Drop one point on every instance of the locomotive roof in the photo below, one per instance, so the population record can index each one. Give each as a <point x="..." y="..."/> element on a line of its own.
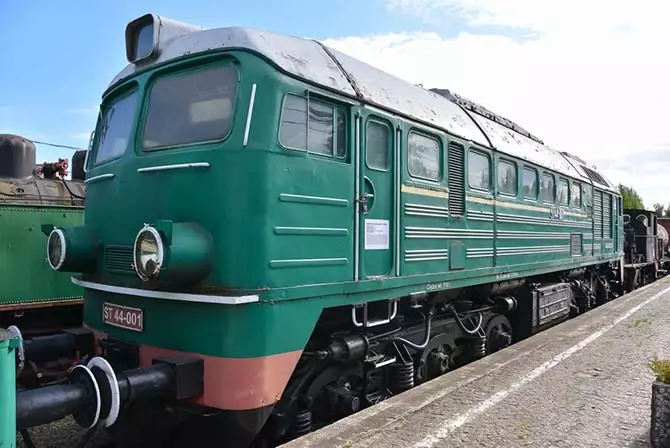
<point x="312" y="61"/>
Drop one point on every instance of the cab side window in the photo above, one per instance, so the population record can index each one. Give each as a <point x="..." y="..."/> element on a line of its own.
<point x="320" y="128"/>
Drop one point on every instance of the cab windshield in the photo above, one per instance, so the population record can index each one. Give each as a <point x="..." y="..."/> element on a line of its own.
<point x="190" y="107"/>
<point x="115" y="127"/>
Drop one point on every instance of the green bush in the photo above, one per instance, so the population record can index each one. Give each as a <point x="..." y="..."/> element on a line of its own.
<point x="661" y="368"/>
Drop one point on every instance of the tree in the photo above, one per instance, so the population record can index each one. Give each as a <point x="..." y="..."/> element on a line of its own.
<point x="662" y="211"/>
<point x="630" y="198"/>
<point x="659" y="209"/>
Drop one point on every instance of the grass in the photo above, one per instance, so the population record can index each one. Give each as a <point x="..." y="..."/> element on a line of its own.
<point x="638" y="322"/>
<point x="661" y="368"/>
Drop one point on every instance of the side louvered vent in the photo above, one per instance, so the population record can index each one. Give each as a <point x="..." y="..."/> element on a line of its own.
<point x="456" y="179"/>
<point x="598" y="214"/>
<point x="607" y="216"/>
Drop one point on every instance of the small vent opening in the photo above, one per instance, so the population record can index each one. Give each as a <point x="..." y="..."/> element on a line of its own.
<point x="456" y="171"/>
<point x="119" y="258"/>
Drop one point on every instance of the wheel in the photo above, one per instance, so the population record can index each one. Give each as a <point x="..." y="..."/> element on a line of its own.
<point x="436" y="358"/>
<point x="498" y="333"/>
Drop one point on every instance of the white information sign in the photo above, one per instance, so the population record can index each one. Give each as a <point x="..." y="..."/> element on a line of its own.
<point x="376" y="234"/>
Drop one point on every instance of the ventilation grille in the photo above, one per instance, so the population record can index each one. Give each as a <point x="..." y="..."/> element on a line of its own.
<point x="595" y="177"/>
<point x="598" y="214"/>
<point x="456" y="179"/>
<point x="119" y="258"/>
<point x="607" y="216"/>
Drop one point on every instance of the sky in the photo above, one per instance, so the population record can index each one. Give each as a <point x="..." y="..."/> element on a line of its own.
<point x="591" y="78"/>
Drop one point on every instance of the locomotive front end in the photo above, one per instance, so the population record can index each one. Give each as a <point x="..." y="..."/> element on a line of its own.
<point x="169" y="230"/>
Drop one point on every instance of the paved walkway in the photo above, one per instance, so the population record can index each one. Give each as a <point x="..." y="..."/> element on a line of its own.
<point x="582" y="384"/>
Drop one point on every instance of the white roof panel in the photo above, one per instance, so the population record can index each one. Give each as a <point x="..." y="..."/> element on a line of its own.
<point x="308" y="60"/>
<point x="517" y="145"/>
<point x="386" y="90"/>
<point x="311" y="61"/>
<point x="303" y="58"/>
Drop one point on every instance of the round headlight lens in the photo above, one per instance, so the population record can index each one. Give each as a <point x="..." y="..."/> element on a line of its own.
<point x="148" y="253"/>
<point x="56" y="249"/>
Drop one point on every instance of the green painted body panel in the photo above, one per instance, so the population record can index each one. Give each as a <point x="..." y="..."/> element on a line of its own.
<point x="282" y="223"/>
<point x="269" y="327"/>
<point x="7" y="389"/>
<point x="242" y="331"/>
<point x="25" y="276"/>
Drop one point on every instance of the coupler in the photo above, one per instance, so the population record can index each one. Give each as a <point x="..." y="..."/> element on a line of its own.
<point x="94" y="393"/>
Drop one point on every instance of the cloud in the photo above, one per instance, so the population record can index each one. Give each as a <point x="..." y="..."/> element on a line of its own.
<point x="591" y="81"/>
<point x="543" y="16"/>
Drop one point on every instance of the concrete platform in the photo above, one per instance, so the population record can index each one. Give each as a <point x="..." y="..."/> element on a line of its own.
<point x="582" y="384"/>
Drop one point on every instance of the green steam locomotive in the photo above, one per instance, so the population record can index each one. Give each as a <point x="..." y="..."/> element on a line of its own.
<point x="33" y="297"/>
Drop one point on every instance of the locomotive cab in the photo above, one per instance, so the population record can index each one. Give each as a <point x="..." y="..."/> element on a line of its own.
<point x="171" y="235"/>
<point x="164" y="144"/>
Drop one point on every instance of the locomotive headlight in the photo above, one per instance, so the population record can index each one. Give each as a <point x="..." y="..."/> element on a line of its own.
<point x="56" y="249"/>
<point x="149" y="253"/>
<point x="71" y="249"/>
<point x="180" y="253"/>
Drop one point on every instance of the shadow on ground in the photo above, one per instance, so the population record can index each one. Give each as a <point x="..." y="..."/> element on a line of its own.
<point x="641" y="441"/>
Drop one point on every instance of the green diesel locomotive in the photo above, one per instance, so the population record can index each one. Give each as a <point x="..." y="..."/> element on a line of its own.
<point x="320" y="234"/>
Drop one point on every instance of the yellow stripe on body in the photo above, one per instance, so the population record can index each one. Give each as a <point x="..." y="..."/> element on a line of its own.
<point x="425" y="192"/>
